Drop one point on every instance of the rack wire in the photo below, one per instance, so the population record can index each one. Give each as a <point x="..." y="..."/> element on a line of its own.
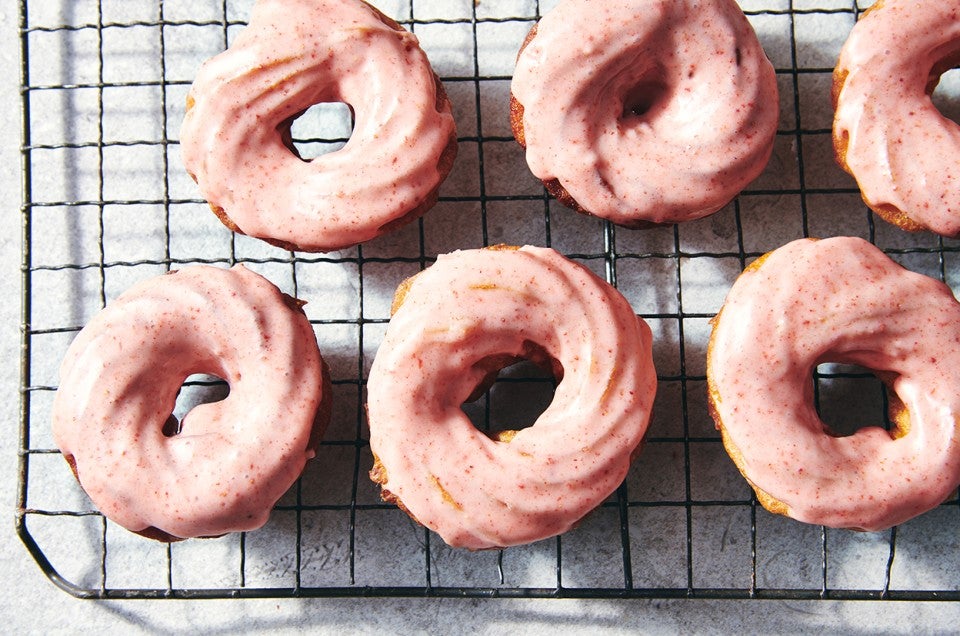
<point x="106" y="203"/>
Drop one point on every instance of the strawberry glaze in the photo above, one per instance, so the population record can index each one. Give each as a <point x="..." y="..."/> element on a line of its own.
<point x="838" y="300"/>
<point x="294" y="54"/>
<point x="233" y="459"/>
<point x="697" y="70"/>
<point x="475" y="491"/>
<point x="887" y="132"/>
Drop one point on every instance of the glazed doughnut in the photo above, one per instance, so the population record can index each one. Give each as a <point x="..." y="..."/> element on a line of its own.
<point x="455" y="325"/>
<point x="645" y="111"/>
<point x="887" y="133"/>
<point x="231" y="460"/>
<point x="838" y="300"/>
<point x="236" y="140"/>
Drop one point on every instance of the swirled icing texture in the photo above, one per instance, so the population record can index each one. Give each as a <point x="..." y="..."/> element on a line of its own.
<point x="888" y="134"/>
<point x="695" y="67"/>
<point x="476" y="304"/>
<point x="293" y="54"/>
<point x="232" y="459"/>
<point x="838" y="300"/>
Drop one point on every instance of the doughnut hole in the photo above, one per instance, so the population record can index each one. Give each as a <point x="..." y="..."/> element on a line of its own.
<point x="643" y="97"/>
<point x="946" y="95"/>
<point x="514" y="392"/>
<point x="196" y="389"/>
<point x="323" y="128"/>
<point x="850" y="397"/>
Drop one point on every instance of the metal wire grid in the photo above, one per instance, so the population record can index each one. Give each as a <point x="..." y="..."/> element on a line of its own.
<point x="97" y="216"/>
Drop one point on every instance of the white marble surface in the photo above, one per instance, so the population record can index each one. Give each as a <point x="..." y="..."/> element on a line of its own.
<point x="34" y="605"/>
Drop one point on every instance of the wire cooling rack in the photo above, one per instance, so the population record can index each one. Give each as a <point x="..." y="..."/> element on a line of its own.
<point x="106" y="202"/>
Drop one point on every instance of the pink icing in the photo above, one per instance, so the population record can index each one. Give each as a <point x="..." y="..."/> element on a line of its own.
<point x="838" y="300"/>
<point x="697" y="65"/>
<point x="476" y="492"/>
<point x="233" y="459"/>
<point x="293" y="54"/>
<point x="903" y="153"/>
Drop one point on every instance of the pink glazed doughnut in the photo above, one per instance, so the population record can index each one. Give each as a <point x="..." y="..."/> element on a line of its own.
<point x="645" y="111"/>
<point x="887" y="133"/>
<point x="235" y="138"/>
<point x="455" y="325"/>
<point x="838" y="300"/>
<point x="231" y="460"/>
